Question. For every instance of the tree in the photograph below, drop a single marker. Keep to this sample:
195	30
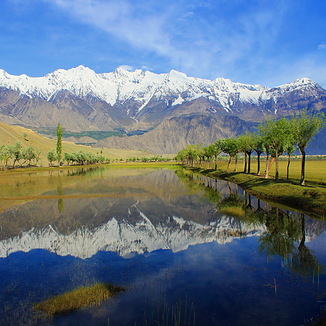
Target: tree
189	153
259	149
59	143
28	154
278	135
230	147
51	156
290	150
214	150
246	145
38	153
5	154
16	151
305	128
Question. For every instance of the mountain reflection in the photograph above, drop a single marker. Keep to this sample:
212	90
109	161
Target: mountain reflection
150	210
284	232
135	233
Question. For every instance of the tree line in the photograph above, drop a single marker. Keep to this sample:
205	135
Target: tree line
12	156
16	154
79	158
19	155
273	137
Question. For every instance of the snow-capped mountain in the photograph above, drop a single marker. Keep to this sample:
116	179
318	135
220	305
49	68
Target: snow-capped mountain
141	86
134	101
122	85
125	238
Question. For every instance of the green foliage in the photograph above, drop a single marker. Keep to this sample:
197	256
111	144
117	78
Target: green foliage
306	127
5	154
275	137
277	134
16	153
230	146
51	156
28	154
59	143
83	158
189	154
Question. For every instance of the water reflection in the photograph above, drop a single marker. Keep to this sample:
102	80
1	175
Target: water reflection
284	232
154	211
191	241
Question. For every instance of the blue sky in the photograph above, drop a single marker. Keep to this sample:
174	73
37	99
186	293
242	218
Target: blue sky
254	41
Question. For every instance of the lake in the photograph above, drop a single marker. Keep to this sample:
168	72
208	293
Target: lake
187	249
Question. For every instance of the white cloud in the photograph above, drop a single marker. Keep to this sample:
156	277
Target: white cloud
209	44
127	67
131	23
322	46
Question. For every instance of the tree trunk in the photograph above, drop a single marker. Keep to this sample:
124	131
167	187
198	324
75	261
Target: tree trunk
276	165
288	168
258	161
303	166
249	161
236	163
229	163
245	163
268	166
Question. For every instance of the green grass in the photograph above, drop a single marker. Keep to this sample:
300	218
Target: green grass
315	170
233	211
310	199
78	298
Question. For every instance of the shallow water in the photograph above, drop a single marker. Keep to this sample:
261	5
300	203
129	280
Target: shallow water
189	250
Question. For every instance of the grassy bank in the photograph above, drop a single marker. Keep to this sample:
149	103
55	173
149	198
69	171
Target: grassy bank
310	199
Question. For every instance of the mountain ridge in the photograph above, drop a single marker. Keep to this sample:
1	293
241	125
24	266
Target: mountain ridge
115	86
140	101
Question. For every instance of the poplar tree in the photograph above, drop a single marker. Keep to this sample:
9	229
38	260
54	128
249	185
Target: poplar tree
59	143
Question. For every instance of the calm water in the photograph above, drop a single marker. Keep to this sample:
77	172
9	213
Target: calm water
188	249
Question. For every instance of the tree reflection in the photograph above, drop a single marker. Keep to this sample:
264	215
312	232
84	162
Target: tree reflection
285	234
60	200
303	261
281	234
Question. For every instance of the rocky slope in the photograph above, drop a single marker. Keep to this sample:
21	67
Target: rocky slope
139	101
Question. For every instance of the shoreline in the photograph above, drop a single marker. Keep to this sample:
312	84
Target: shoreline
310	199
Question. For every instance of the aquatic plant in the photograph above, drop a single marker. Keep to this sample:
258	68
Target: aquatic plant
78	298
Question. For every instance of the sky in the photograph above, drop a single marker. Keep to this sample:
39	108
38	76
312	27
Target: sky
254	41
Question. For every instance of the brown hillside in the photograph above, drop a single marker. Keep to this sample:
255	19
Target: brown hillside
9	135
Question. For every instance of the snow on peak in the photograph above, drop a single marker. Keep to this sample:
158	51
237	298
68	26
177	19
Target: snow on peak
177	74
125	237
300	82
140	86
304	80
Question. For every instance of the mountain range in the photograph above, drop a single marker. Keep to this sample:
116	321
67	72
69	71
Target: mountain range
126	238
160	113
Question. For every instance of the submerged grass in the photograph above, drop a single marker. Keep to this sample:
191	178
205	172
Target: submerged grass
234	211
78	298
